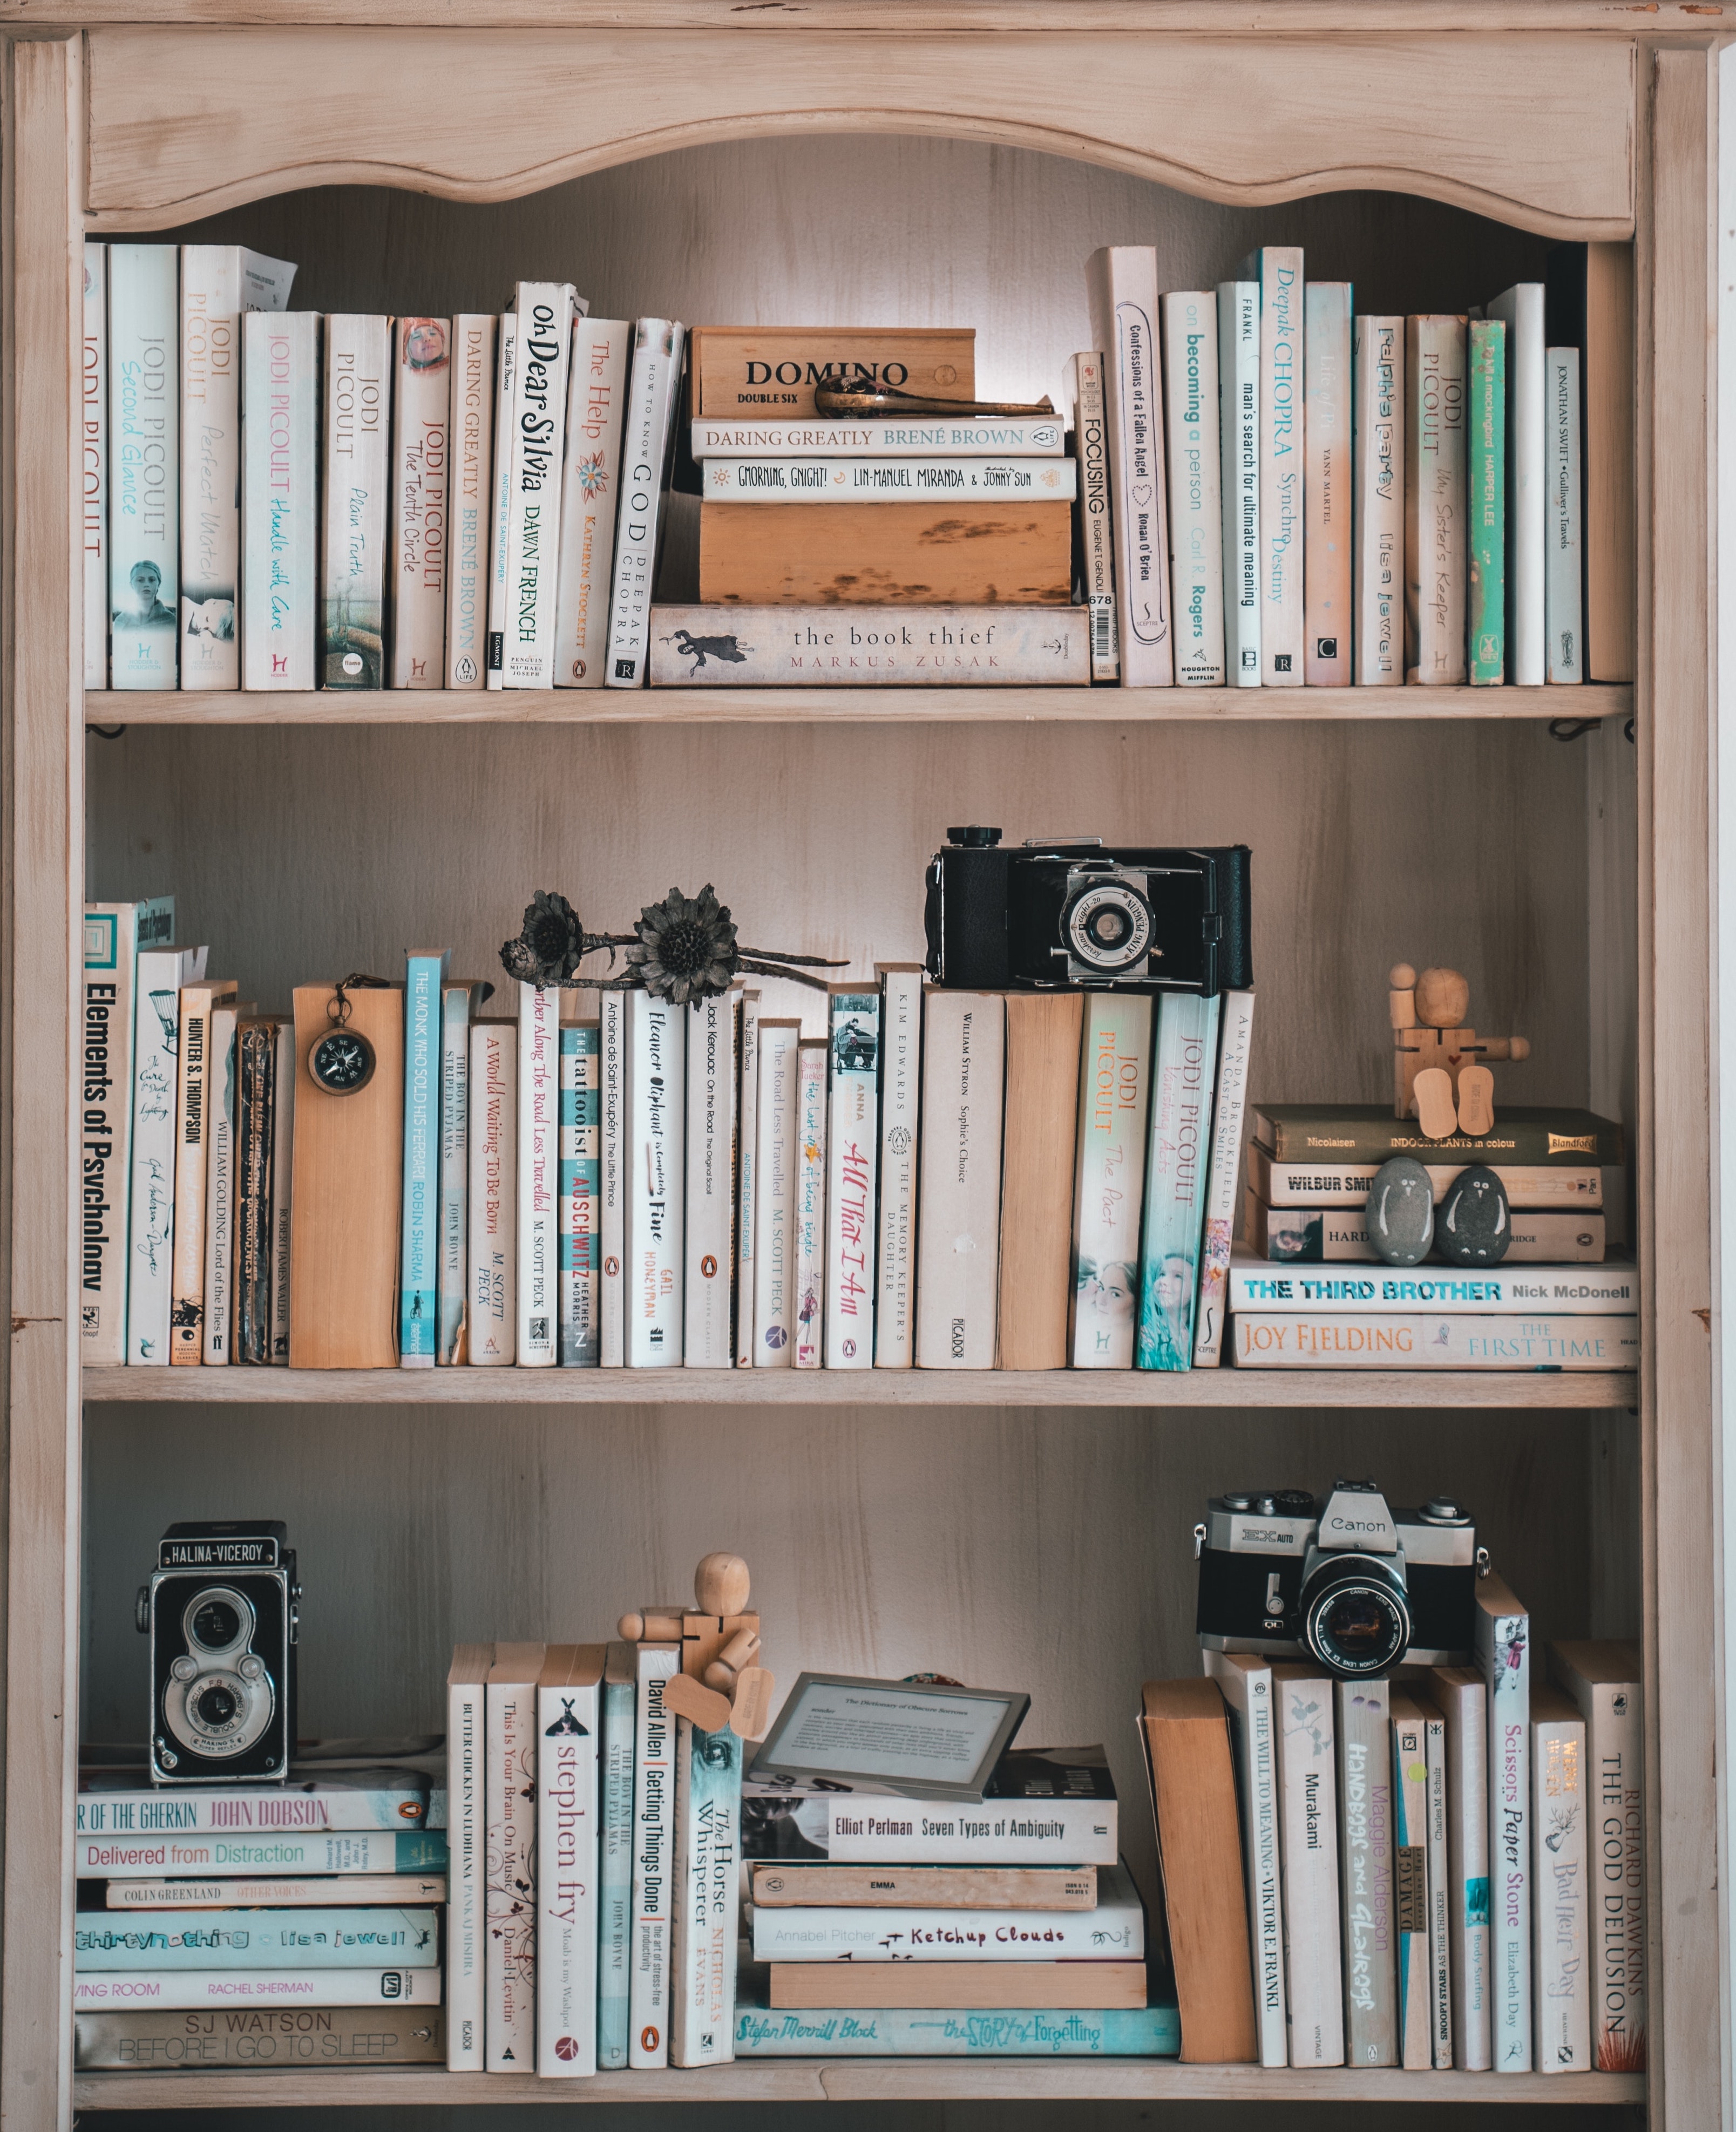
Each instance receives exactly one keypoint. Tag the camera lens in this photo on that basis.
(214, 1706)
(1108, 926)
(1355, 1618)
(216, 1625)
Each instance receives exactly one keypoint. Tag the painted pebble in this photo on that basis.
(1474, 1229)
(1401, 1213)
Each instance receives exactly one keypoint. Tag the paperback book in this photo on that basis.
(470, 437)
(744, 645)
(852, 1149)
(144, 455)
(354, 486)
(589, 499)
(1177, 1149)
(1114, 1096)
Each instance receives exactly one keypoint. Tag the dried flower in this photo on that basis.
(549, 947)
(683, 949)
(686, 946)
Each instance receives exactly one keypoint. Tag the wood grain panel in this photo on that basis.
(178, 125)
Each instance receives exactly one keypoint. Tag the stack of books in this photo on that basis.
(286, 1924)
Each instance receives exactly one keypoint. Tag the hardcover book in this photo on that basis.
(774, 1191)
(589, 499)
(470, 439)
(1319, 1235)
(220, 1188)
(1487, 500)
(419, 1274)
(144, 453)
(928, 436)
(1527, 1185)
(1434, 515)
(195, 1084)
(1309, 1844)
(510, 1965)
(891, 646)
(256, 1072)
(771, 372)
(711, 1222)
(1368, 1132)
(1196, 524)
(1362, 1721)
(1383, 1340)
(1459, 1692)
(1097, 1984)
(1589, 305)
(1561, 1982)
(1150, 2031)
(1257, 1284)
(612, 1233)
(704, 1875)
(283, 1159)
(421, 511)
(467, 1736)
(1277, 269)
(889, 480)
(926, 1887)
(959, 1204)
(1122, 282)
(653, 1859)
(943, 551)
(280, 504)
(1115, 1929)
(94, 441)
(1411, 1888)
(1564, 561)
(354, 486)
(1095, 534)
(569, 1724)
(258, 1987)
(453, 1270)
(653, 1135)
(500, 511)
(1520, 309)
(1178, 1146)
(539, 1100)
(492, 1281)
(580, 1347)
(615, 1868)
(1114, 1096)
(537, 436)
(1245, 1681)
(901, 1082)
(852, 1152)
(1440, 1848)
(1044, 1043)
(317, 1939)
(1378, 526)
(1238, 416)
(746, 1174)
(1503, 1629)
(648, 441)
(1603, 1680)
(1327, 485)
(1235, 1038)
(231, 1856)
(160, 974)
(809, 1212)
(249, 2037)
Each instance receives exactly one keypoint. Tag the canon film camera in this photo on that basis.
(1070, 913)
(220, 1610)
(1357, 1585)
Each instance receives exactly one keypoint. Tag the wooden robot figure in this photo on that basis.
(717, 1680)
(1440, 1067)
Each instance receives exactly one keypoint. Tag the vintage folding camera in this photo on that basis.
(220, 1610)
(1068, 913)
(1357, 1585)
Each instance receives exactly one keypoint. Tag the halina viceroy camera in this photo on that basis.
(220, 1610)
(1072, 913)
(1354, 1584)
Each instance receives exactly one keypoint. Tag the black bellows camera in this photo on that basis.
(1068, 913)
(1358, 1586)
(220, 1610)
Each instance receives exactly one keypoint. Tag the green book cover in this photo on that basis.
(1486, 486)
(1537, 1135)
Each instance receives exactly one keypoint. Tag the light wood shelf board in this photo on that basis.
(1123, 1389)
(420, 707)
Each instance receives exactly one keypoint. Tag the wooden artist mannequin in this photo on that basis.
(720, 1682)
(1440, 1067)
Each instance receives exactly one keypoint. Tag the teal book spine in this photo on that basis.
(1487, 484)
(452, 1274)
(418, 1276)
(581, 1198)
(363, 1938)
(615, 1878)
(1149, 2031)
(1176, 1149)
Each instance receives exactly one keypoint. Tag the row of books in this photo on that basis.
(1446, 1869)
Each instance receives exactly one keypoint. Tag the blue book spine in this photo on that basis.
(1149, 2031)
(1178, 1147)
(363, 1938)
(418, 1281)
(580, 1201)
(614, 1896)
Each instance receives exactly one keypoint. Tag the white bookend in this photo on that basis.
(94, 441)
(356, 479)
(1560, 1923)
(1308, 1823)
(279, 607)
(1122, 282)
(653, 399)
(747, 1167)
(1527, 480)
(774, 1191)
(452, 1273)
(901, 1090)
(1246, 1682)
(151, 1197)
(467, 1841)
(1563, 590)
(1379, 517)
(1459, 1692)
(577, 1223)
(144, 465)
(1410, 1862)
(117, 935)
(612, 1226)
(1196, 520)
(1096, 525)
(810, 1211)
(1277, 269)
(1502, 1631)
(539, 1100)
(653, 1148)
(959, 1204)
(1328, 487)
(653, 1859)
(492, 1286)
(283, 1156)
(706, 1339)
(569, 1732)
(1235, 1038)
(1362, 1719)
(1238, 423)
(852, 1147)
(219, 283)
(510, 1956)
(543, 356)
(1108, 1179)
(1437, 563)
(708, 1850)
(421, 416)
(220, 1285)
(500, 516)
(589, 499)
(470, 446)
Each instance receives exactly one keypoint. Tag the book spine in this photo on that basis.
(1310, 1849)
(210, 464)
(1346, 1183)
(615, 1878)
(295, 1893)
(706, 1868)
(1096, 536)
(1365, 1803)
(1485, 1290)
(1435, 527)
(256, 1063)
(230, 1856)
(509, 2022)
(1282, 462)
(1564, 1140)
(1564, 612)
(901, 1084)
(470, 439)
(418, 1264)
(539, 1098)
(151, 1194)
(612, 1232)
(1561, 1971)
(853, 1150)
(493, 1250)
(283, 1155)
(889, 481)
(983, 2032)
(567, 1727)
(1297, 1340)
(1071, 1832)
(1235, 1044)
(774, 1186)
(452, 1273)
(959, 1205)
(1319, 1235)
(811, 1209)
(652, 397)
(1521, 309)
(260, 1813)
(1123, 283)
(1486, 496)
(279, 516)
(255, 1988)
(466, 1908)
(1238, 423)
(93, 441)
(579, 1344)
(193, 1093)
(144, 423)
(747, 1169)
(420, 473)
(653, 1143)
(1115, 1929)
(1114, 1102)
(1615, 1747)
(544, 356)
(707, 1335)
(1249, 1701)
(1043, 437)
(726, 646)
(1503, 1656)
(589, 498)
(219, 1273)
(1440, 1915)
(1462, 1698)
(1410, 1858)
(105, 1152)
(1196, 521)
(1326, 553)
(1378, 465)
(1175, 1176)
(346, 2035)
(311, 1940)
(652, 1862)
(352, 565)
(500, 517)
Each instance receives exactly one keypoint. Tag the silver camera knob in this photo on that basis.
(184, 1669)
(250, 1668)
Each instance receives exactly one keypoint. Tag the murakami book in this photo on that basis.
(94, 437)
(1196, 524)
(1308, 1820)
(852, 1147)
(1178, 1150)
(470, 440)
(421, 516)
(590, 499)
(144, 459)
(544, 311)
(356, 483)
(1378, 528)
(279, 605)
(1115, 1097)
